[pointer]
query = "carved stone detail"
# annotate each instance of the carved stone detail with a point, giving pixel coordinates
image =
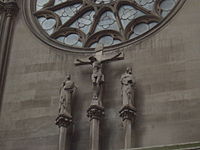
(127, 112)
(11, 8)
(95, 112)
(128, 86)
(97, 77)
(67, 89)
(63, 121)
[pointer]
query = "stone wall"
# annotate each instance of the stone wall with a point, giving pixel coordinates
(167, 70)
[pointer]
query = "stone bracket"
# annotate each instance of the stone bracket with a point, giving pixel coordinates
(127, 112)
(63, 121)
(95, 112)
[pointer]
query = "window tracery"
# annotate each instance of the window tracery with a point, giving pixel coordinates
(84, 23)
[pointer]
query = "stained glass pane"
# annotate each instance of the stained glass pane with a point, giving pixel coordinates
(107, 22)
(128, 13)
(141, 28)
(40, 4)
(67, 12)
(84, 23)
(167, 6)
(47, 24)
(148, 4)
(71, 39)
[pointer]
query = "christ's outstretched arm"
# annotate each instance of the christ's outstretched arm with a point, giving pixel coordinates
(82, 62)
(115, 57)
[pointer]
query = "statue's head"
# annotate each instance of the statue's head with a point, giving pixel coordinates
(68, 77)
(92, 59)
(129, 70)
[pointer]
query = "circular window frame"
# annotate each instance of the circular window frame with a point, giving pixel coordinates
(28, 6)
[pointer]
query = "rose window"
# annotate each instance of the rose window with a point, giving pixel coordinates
(84, 23)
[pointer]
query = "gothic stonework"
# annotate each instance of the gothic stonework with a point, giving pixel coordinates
(95, 112)
(63, 121)
(85, 23)
(127, 112)
(167, 67)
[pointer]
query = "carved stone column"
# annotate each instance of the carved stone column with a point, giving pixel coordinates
(64, 123)
(128, 110)
(10, 9)
(127, 114)
(95, 113)
(64, 119)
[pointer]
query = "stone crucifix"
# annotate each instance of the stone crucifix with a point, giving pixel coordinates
(96, 109)
(97, 61)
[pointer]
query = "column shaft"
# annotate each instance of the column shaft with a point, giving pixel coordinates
(94, 134)
(128, 134)
(64, 143)
(95, 113)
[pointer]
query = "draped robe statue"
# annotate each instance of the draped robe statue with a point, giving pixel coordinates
(66, 92)
(128, 88)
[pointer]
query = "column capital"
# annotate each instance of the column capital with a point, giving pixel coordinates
(11, 8)
(95, 112)
(63, 120)
(127, 112)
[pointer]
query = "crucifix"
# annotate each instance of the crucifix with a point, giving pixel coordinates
(96, 109)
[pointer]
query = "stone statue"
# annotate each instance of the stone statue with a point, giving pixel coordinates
(128, 88)
(97, 61)
(66, 92)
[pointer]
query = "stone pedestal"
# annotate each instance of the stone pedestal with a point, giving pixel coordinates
(95, 113)
(127, 113)
(64, 122)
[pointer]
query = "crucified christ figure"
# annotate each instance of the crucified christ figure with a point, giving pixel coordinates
(97, 61)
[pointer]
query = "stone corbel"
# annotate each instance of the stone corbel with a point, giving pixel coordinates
(63, 121)
(127, 112)
(95, 112)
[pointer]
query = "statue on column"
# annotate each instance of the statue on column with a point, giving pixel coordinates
(66, 92)
(128, 88)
